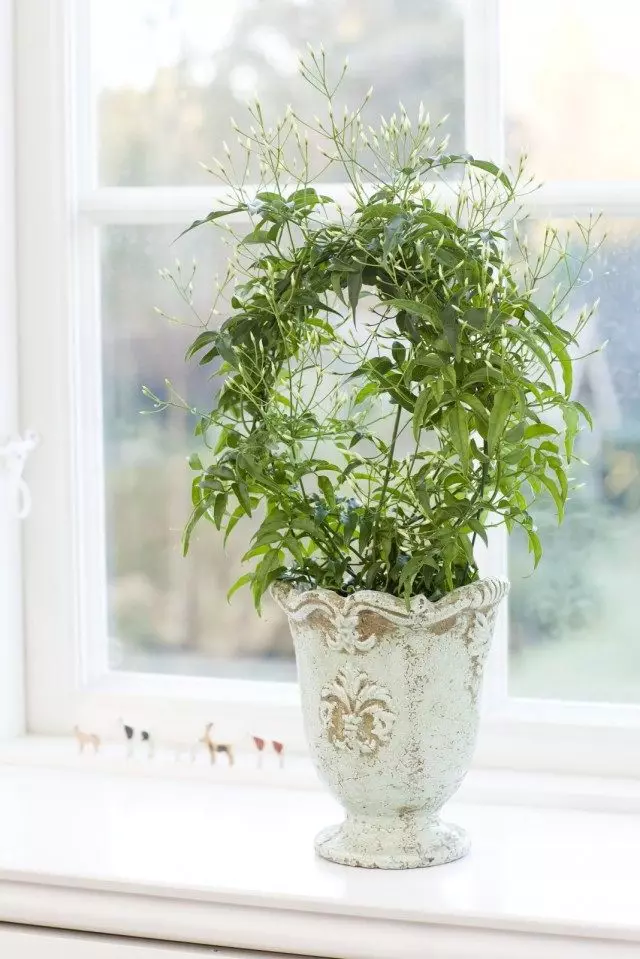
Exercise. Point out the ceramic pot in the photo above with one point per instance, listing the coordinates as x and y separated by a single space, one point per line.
390 705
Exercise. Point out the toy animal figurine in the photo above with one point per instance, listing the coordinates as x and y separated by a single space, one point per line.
215 748
279 750
145 737
86 739
259 744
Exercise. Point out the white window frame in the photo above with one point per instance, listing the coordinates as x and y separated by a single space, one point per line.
12 706
59 212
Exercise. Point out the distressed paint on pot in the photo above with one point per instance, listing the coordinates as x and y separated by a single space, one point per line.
390 705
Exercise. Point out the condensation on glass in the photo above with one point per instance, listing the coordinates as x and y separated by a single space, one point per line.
574 623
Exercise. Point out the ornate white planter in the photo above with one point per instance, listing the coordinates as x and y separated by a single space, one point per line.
390 703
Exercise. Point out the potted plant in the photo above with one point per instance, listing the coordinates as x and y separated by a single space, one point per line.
388 388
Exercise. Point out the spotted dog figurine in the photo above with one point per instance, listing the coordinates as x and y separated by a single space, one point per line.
145 737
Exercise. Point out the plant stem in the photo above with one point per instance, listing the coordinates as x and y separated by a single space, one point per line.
483 483
387 477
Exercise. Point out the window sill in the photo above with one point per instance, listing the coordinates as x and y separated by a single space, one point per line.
482 786
233 866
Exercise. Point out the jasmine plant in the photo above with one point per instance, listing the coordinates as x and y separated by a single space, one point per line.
388 384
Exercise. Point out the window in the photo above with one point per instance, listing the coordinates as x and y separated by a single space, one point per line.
573 633
124 100
188 67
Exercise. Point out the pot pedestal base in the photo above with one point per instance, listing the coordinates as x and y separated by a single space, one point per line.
402 842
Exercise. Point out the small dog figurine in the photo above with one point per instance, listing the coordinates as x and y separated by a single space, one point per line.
145 737
215 747
86 739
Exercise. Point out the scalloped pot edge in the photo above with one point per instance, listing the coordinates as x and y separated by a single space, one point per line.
390 704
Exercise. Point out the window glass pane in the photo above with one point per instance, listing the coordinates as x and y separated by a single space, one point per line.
168 613
574 623
168 74
572 86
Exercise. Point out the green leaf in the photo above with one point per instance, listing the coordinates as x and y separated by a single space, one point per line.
476 527
260 550
398 352
307 196
409 572
319 324
261 542
458 422
216 215
195 462
494 170
202 340
515 433
570 416
226 350
242 493
500 411
486 374
354 285
565 362
412 306
477 406
431 360
555 494
419 410
258 236
384 211
562 482
327 489
336 285
535 546
539 429
219 507
248 464
198 512
369 389
475 318
267 570
584 413
241 581
366 529
450 324
268 196
235 517
543 318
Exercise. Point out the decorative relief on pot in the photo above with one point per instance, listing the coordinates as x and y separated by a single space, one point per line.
350 624
356 711
348 634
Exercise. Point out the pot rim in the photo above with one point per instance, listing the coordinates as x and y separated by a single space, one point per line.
297 602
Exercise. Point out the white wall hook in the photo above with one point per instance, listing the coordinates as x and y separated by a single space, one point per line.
13 455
